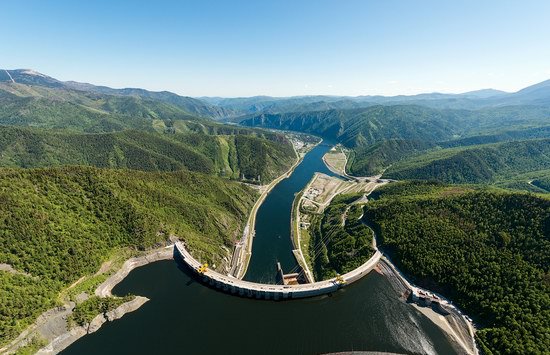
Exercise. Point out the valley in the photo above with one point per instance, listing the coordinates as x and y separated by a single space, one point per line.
92 177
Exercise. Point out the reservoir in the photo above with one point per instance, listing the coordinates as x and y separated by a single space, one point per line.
184 316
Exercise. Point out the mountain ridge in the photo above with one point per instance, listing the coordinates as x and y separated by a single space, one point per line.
33 78
221 108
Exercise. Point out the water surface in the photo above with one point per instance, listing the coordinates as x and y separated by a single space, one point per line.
184 316
272 241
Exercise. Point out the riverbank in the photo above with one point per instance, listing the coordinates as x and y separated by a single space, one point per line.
455 324
337 162
51 327
313 200
164 253
296 237
324 192
243 249
62 341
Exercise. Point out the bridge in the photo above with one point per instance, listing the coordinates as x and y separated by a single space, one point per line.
243 288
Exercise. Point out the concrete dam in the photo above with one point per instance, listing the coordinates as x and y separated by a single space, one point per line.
242 288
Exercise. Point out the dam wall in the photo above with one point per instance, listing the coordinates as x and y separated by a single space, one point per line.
242 288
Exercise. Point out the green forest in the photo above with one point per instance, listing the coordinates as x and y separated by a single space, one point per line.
419 142
486 163
374 159
58 224
339 241
487 250
88 173
232 156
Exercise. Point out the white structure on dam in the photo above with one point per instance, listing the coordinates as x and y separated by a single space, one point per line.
275 292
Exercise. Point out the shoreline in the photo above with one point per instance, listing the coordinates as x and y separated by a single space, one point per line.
58 341
442 322
295 229
296 214
64 340
455 314
334 171
343 173
242 255
295 235
163 253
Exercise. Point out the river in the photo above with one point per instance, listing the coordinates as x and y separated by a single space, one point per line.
272 242
184 316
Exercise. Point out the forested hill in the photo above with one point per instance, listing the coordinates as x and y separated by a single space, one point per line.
362 127
339 242
475 164
232 156
59 224
85 206
367 126
374 159
81 111
380 136
488 251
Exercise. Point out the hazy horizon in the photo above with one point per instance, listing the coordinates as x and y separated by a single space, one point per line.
283 48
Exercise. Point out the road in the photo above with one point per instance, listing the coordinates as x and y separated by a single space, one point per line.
7 72
232 284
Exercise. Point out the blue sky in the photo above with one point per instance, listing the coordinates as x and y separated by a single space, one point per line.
282 48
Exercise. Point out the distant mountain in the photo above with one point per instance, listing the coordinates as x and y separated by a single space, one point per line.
250 105
29 77
537 88
191 105
366 126
538 94
29 83
234 109
483 93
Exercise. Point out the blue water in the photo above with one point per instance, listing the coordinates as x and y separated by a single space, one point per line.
184 316
272 241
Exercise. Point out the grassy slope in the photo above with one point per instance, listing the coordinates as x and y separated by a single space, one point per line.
61 107
487 250
59 224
